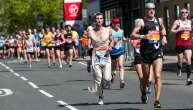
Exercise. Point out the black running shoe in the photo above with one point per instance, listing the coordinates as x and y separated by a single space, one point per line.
157 104
144 98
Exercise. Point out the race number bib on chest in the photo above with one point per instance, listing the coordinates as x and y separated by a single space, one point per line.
69 40
155 36
185 35
58 43
29 48
102 54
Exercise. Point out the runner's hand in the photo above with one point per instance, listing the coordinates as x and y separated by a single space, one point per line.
164 41
148 36
110 49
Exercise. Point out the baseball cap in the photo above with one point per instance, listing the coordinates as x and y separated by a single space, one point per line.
115 20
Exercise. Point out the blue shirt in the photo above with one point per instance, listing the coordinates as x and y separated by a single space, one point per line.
80 31
118 48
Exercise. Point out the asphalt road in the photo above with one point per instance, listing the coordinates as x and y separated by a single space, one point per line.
42 88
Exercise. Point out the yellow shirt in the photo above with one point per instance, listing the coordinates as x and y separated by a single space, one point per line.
74 34
47 38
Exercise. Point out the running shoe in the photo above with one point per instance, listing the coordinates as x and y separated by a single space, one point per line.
148 89
70 65
88 68
179 73
48 65
157 104
42 60
60 66
18 58
67 64
144 98
112 79
122 84
30 66
115 73
54 62
100 102
189 81
21 58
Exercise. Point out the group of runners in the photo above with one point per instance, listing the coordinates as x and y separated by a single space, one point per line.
47 43
106 50
147 39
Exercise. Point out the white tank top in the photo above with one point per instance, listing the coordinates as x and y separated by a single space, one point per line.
29 46
188 26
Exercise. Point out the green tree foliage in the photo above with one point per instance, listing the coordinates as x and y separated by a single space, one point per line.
22 13
84 4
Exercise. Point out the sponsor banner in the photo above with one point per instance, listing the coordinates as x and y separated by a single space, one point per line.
73 10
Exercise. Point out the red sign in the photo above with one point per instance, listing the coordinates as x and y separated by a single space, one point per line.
73 11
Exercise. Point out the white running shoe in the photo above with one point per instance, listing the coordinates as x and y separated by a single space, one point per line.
21 58
30 66
100 102
60 66
179 73
189 81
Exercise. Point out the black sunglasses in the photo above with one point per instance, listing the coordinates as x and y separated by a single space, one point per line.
184 12
149 9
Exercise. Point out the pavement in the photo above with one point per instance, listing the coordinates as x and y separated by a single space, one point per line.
169 63
43 88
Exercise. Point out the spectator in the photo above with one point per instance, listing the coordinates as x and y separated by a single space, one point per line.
80 32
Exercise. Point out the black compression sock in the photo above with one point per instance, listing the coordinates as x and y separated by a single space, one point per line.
188 70
179 67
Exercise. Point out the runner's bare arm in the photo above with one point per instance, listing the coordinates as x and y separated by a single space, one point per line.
163 31
135 35
111 44
125 39
175 29
64 40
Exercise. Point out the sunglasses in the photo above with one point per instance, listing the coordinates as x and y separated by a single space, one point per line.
184 12
149 9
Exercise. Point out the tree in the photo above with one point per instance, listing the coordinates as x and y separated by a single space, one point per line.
84 4
22 13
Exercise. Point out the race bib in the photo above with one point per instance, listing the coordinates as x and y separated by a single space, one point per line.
118 46
137 49
155 36
69 41
58 43
48 39
185 35
101 54
29 48
1 45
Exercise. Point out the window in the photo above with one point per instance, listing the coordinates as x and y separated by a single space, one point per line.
167 20
177 11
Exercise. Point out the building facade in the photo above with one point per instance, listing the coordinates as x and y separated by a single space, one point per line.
169 11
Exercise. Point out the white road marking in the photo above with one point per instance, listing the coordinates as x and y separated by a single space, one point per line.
11 70
16 74
7 92
24 78
45 93
67 105
82 63
33 85
7 67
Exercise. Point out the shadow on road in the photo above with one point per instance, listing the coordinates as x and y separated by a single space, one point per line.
107 103
50 85
77 80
